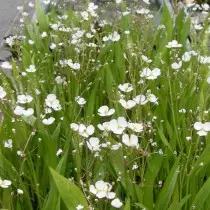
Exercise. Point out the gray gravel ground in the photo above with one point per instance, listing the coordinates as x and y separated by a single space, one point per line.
9 19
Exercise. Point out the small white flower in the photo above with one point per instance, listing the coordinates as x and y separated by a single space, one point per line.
44 34
104 127
18 110
151 97
59 152
131 141
5 183
136 127
146 59
118 126
126 87
202 128
74 126
116 146
28 112
24 99
8 144
31 69
105 111
135 166
140 99
102 190
173 44
115 36
186 57
31 42
6 65
198 27
52 102
81 101
127 104
53 46
118 1
2 92
176 66
116 203
19 192
93 144
48 121
75 66
150 74
79 207
86 131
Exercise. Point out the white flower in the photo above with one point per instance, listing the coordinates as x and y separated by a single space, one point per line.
31 69
8 144
59 152
146 59
84 15
131 141
6 65
2 92
151 97
52 102
24 99
59 80
142 11
75 66
118 126
135 166
140 99
186 57
118 1
102 190
126 87
105 111
173 44
115 36
79 207
81 101
150 74
31 42
127 104
18 110
10 41
28 112
53 46
198 27
136 127
5 183
176 66
202 128
116 146
86 131
104 127
74 126
48 121
19 192
116 203
93 144
44 34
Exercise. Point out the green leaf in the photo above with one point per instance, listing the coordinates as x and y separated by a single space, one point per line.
164 140
168 188
71 195
201 196
41 17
